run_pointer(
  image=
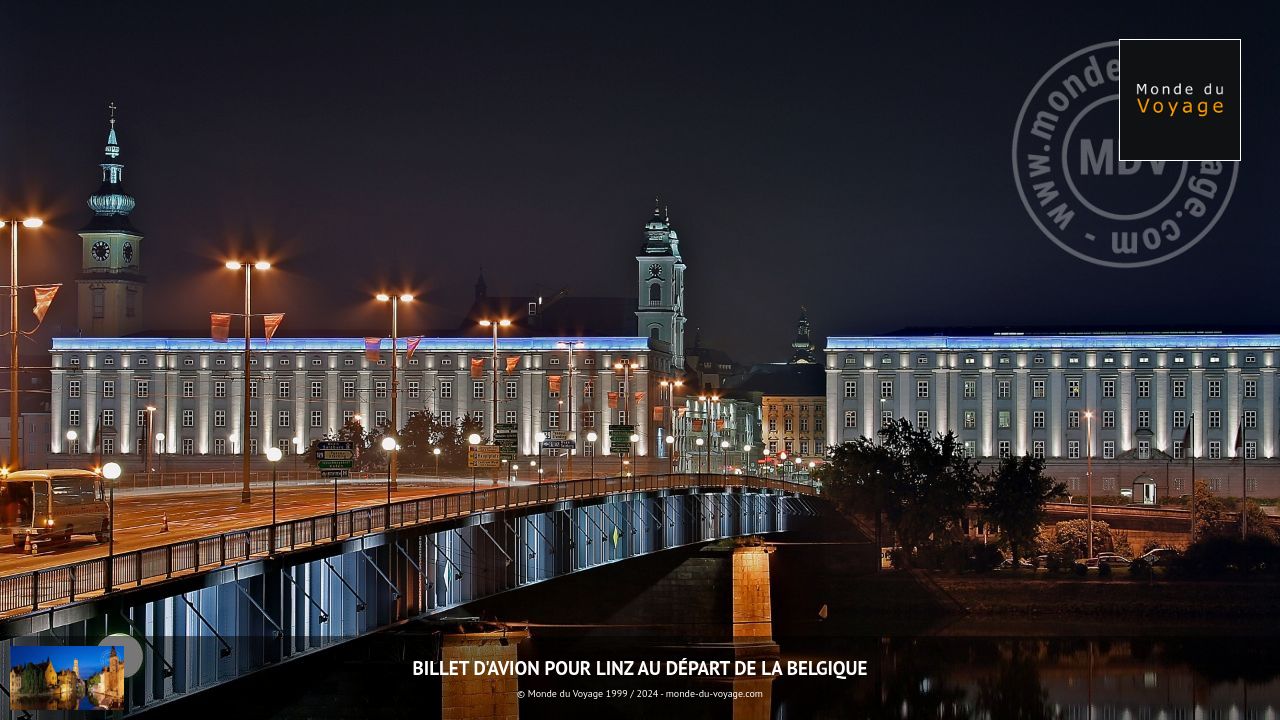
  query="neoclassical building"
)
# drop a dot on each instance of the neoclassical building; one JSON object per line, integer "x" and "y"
{"x": 1122, "y": 401}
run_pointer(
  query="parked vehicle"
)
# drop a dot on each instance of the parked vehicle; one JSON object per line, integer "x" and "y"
{"x": 1111, "y": 559}
{"x": 1023, "y": 563}
{"x": 1160, "y": 556}
{"x": 38, "y": 507}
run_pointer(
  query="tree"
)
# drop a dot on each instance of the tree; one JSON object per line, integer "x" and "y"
{"x": 1209, "y": 511}
{"x": 1013, "y": 496}
{"x": 1072, "y": 537}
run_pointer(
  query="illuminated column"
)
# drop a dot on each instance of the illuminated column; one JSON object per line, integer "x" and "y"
{"x": 1266, "y": 390}
{"x": 1022, "y": 416}
{"x": 89, "y": 390}
{"x": 1231, "y": 419}
{"x": 204, "y": 420}
{"x": 1196, "y": 381}
{"x": 640, "y": 408}
{"x": 235, "y": 411}
{"x": 301, "y": 394}
{"x": 835, "y": 400}
{"x": 125, "y": 391}
{"x": 1124, "y": 393}
{"x": 1091, "y": 398}
{"x": 942, "y": 421}
{"x": 267, "y": 420}
{"x": 1055, "y": 388}
{"x": 987, "y": 393}
{"x": 57, "y": 386}
{"x": 1163, "y": 431}
{"x": 869, "y": 391}
{"x": 364, "y": 394}
{"x": 333, "y": 395}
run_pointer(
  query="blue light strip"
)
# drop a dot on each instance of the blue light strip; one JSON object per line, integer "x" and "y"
{"x": 344, "y": 344}
{"x": 944, "y": 343}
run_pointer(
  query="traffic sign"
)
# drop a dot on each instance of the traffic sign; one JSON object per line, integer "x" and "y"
{"x": 558, "y": 445}
{"x": 620, "y": 438}
{"x": 484, "y": 456}
{"x": 335, "y": 473}
{"x": 504, "y": 434}
{"x": 335, "y": 455}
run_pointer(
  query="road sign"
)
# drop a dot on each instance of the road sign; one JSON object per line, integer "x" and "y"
{"x": 620, "y": 438}
{"x": 335, "y": 455}
{"x": 483, "y": 456}
{"x": 504, "y": 434}
{"x": 335, "y": 473}
{"x": 557, "y": 435}
{"x": 558, "y": 445}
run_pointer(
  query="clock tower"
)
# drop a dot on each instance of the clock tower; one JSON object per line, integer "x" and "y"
{"x": 660, "y": 298}
{"x": 110, "y": 284}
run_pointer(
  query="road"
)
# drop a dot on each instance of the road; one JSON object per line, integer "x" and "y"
{"x": 201, "y": 512}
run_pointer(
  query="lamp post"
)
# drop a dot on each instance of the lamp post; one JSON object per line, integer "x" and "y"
{"x": 473, "y": 439}
{"x": 110, "y": 471}
{"x": 493, "y": 418}
{"x": 699, "y": 442}
{"x": 570, "y": 344}
{"x": 724, "y": 457}
{"x": 746, "y": 458}
{"x": 625, "y": 367}
{"x": 634, "y": 439}
{"x": 248, "y": 269}
{"x": 671, "y": 454}
{"x": 670, "y": 386}
{"x": 1088, "y": 473}
{"x": 273, "y": 455}
{"x": 539, "y": 437}
{"x": 591, "y": 438}
{"x": 151, "y": 424}
{"x": 436, "y": 453}
{"x": 389, "y": 446}
{"x": 395, "y": 301}
{"x": 71, "y": 436}
{"x": 15, "y": 458}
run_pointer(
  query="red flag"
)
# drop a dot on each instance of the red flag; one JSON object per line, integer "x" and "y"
{"x": 613, "y": 401}
{"x": 512, "y": 362}
{"x": 719, "y": 424}
{"x": 44, "y": 298}
{"x": 477, "y": 367}
{"x": 219, "y": 326}
{"x": 271, "y": 323}
{"x": 373, "y": 349}
{"x": 553, "y": 383}
{"x": 658, "y": 412}
{"x": 411, "y": 344}
{"x": 639, "y": 397}
{"x": 697, "y": 424}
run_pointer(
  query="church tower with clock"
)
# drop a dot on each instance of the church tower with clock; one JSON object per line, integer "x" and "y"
{"x": 660, "y": 314}
{"x": 111, "y": 283}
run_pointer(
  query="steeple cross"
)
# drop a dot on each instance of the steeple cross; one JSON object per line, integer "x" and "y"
{"x": 112, "y": 108}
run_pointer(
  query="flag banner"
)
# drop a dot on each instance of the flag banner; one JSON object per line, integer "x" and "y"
{"x": 697, "y": 424}
{"x": 477, "y": 368}
{"x": 44, "y": 298}
{"x": 219, "y": 326}
{"x": 613, "y": 401}
{"x": 553, "y": 383}
{"x": 658, "y": 413}
{"x": 411, "y": 344}
{"x": 373, "y": 349}
{"x": 1240, "y": 437}
{"x": 271, "y": 323}
{"x": 639, "y": 397}
{"x": 1186, "y": 440}
{"x": 719, "y": 424}
{"x": 512, "y": 363}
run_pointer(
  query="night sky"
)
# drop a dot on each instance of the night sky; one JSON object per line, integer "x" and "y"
{"x": 852, "y": 160}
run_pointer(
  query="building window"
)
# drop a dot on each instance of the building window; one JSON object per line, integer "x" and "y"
{"x": 73, "y": 388}
{"x": 1108, "y": 419}
{"x": 446, "y": 418}
{"x": 804, "y": 422}
{"x": 73, "y": 418}
{"x": 1215, "y": 419}
{"x": 282, "y": 389}
{"x": 773, "y": 424}
{"x": 220, "y": 389}
{"x": 1004, "y": 419}
{"x": 1215, "y": 388}
{"x": 971, "y": 388}
{"x": 1251, "y": 450}
{"x": 188, "y": 418}
{"x": 1073, "y": 418}
{"x": 1144, "y": 388}
{"x": 1005, "y": 448}
{"x": 348, "y": 389}
{"x": 1037, "y": 388}
{"x": 108, "y": 388}
{"x": 1177, "y": 449}
{"x": 1144, "y": 449}
{"x": 253, "y": 388}
{"x": 284, "y": 418}
{"x": 850, "y": 419}
{"x": 970, "y": 448}
{"x": 415, "y": 390}
{"x": 1004, "y": 388}
{"x": 1109, "y": 388}
{"x": 553, "y": 419}
{"x": 219, "y": 418}
{"x": 253, "y": 446}
{"x": 588, "y": 419}
{"x": 1179, "y": 388}
{"x": 143, "y": 388}
{"x": 1037, "y": 419}
{"x": 141, "y": 418}
{"x": 477, "y": 417}
{"x": 317, "y": 389}
{"x": 851, "y": 388}
{"x": 1073, "y": 387}
{"x": 477, "y": 389}
{"x": 348, "y": 416}
{"x": 380, "y": 389}
{"x": 922, "y": 419}
{"x": 108, "y": 418}
{"x": 1037, "y": 449}
{"x": 1251, "y": 418}
{"x": 1179, "y": 418}
{"x": 316, "y": 418}
{"x": 886, "y": 418}
{"x": 188, "y": 446}
{"x": 188, "y": 388}
{"x": 886, "y": 389}
{"x": 1144, "y": 418}
{"x": 1215, "y": 450}
{"x": 588, "y": 389}
{"x": 380, "y": 418}
{"x": 1073, "y": 449}
{"x": 1251, "y": 388}
{"x": 970, "y": 419}
{"x": 1108, "y": 449}
{"x": 922, "y": 388}
{"x": 446, "y": 389}
{"x": 253, "y": 418}
{"x": 786, "y": 425}
{"x": 219, "y": 446}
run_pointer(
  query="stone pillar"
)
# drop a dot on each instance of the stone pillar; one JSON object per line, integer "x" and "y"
{"x": 752, "y": 612}
{"x": 471, "y": 697}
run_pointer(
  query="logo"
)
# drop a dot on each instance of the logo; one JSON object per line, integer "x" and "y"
{"x": 1082, "y": 196}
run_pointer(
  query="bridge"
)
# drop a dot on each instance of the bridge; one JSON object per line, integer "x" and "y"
{"x": 207, "y": 610}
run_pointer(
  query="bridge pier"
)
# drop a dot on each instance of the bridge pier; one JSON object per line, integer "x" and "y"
{"x": 752, "y": 616}
{"x": 472, "y": 696}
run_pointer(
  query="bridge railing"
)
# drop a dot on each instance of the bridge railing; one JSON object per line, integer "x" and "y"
{"x": 46, "y": 587}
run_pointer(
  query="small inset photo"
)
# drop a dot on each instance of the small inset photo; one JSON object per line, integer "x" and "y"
{"x": 1180, "y": 100}
{"x": 66, "y": 677}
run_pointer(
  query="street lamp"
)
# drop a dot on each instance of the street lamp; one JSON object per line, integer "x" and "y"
{"x": 746, "y": 458}
{"x": 436, "y": 453}
{"x": 14, "y": 446}
{"x": 634, "y": 439}
{"x": 248, "y": 269}
{"x": 570, "y": 344}
{"x": 273, "y": 455}
{"x": 592, "y": 437}
{"x": 625, "y": 366}
{"x": 671, "y": 454}
{"x": 670, "y": 386}
{"x": 395, "y": 301}
{"x": 473, "y": 439}
{"x": 699, "y": 442}
{"x": 493, "y": 418}
{"x": 151, "y": 424}
{"x": 71, "y": 436}
{"x": 724, "y": 457}
{"x": 1088, "y": 472}
{"x": 389, "y": 446}
{"x": 111, "y": 471}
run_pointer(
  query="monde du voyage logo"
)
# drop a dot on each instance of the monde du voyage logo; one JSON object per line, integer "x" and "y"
{"x": 1066, "y": 162}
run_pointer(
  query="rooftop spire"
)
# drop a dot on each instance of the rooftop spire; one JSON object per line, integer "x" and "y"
{"x": 802, "y": 346}
{"x": 111, "y": 205}
{"x": 113, "y": 145}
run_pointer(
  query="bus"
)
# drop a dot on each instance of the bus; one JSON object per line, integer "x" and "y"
{"x": 39, "y": 507}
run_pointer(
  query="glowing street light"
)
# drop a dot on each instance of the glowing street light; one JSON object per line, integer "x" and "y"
{"x": 248, "y": 269}
{"x": 273, "y": 456}
{"x": 592, "y": 437}
{"x": 111, "y": 471}
{"x": 15, "y": 459}
{"x": 493, "y": 416}
{"x": 395, "y": 301}
{"x": 473, "y": 439}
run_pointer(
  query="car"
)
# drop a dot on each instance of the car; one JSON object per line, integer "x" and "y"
{"x": 1159, "y": 556}
{"x": 1112, "y": 555}
{"x": 1023, "y": 563}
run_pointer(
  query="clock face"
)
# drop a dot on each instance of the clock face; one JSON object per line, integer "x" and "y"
{"x": 101, "y": 251}
{"x": 655, "y": 270}
{"x": 128, "y": 252}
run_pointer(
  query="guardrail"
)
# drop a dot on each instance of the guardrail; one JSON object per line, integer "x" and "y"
{"x": 214, "y": 478}
{"x": 30, "y": 591}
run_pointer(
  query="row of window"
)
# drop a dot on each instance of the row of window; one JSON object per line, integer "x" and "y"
{"x": 284, "y": 418}
{"x": 285, "y": 361}
{"x": 1072, "y": 359}
{"x": 284, "y": 389}
{"x": 1004, "y": 388}
{"x": 1004, "y": 419}
{"x": 1004, "y": 448}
